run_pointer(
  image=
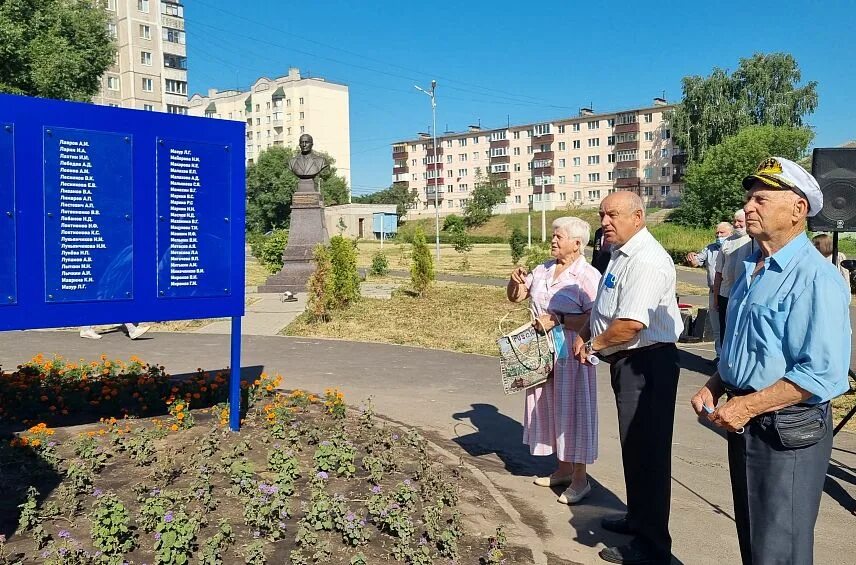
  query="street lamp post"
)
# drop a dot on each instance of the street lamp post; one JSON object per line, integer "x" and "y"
{"x": 436, "y": 162}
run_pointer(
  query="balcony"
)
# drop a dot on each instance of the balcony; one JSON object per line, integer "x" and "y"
{"x": 626, "y": 128}
{"x": 627, "y": 145}
{"x": 401, "y": 183}
{"x": 399, "y": 170}
{"x": 500, "y": 143}
{"x": 627, "y": 165}
{"x": 544, "y": 189}
{"x": 543, "y": 155}
{"x": 679, "y": 159}
{"x": 434, "y": 166}
{"x": 400, "y": 178}
{"x": 500, "y": 159}
{"x": 547, "y": 171}
{"x": 399, "y": 152}
{"x": 504, "y": 175}
{"x": 430, "y": 195}
{"x": 630, "y": 182}
{"x": 678, "y": 177}
{"x": 277, "y": 123}
{"x": 545, "y": 138}
{"x": 438, "y": 180}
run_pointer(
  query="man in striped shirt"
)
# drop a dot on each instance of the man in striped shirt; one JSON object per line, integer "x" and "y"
{"x": 634, "y": 325}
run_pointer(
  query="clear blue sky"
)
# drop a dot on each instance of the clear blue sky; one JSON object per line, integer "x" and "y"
{"x": 523, "y": 61}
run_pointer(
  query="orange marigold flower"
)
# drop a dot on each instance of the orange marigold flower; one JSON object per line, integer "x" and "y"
{"x": 180, "y": 416}
{"x": 174, "y": 427}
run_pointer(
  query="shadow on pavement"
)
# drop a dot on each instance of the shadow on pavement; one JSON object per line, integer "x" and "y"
{"x": 836, "y": 474}
{"x": 502, "y": 435}
{"x": 693, "y": 362}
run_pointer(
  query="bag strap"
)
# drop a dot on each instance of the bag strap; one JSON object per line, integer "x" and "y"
{"x": 537, "y": 341}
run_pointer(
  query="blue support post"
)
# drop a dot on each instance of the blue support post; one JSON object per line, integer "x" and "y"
{"x": 235, "y": 377}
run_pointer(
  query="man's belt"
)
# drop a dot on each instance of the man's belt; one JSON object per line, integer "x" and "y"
{"x": 613, "y": 358}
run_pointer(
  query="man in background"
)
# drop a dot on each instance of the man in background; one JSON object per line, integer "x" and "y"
{"x": 707, "y": 258}
{"x": 729, "y": 265}
{"x": 600, "y": 254}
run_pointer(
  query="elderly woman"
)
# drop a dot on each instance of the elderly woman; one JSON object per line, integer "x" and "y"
{"x": 823, "y": 243}
{"x": 561, "y": 414}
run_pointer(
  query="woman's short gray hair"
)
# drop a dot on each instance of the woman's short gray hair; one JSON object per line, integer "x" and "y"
{"x": 574, "y": 228}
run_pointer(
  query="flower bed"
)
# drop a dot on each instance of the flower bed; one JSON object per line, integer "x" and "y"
{"x": 307, "y": 480}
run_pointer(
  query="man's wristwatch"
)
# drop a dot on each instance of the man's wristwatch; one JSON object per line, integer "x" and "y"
{"x": 589, "y": 348}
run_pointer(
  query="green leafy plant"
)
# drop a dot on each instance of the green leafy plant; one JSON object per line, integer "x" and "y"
{"x": 336, "y": 458}
{"x": 30, "y": 520}
{"x": 254, "y": 553}
{"x": 322, "y": 299}
{"x": 110, "y": 527}
{"x": 265, "y": 511}
{"x": 380, "y": 264}
{"x": 345, "y": 279}
{"x": 90, "y": 452}
{"x": 517, "y": 243}
{"x": 215, "y": 546}
{"x": 175, "y": 537}
{"x": 422, "y": 269}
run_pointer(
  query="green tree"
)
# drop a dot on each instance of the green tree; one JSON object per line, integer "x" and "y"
{"x": 54, "y": 48}
{"x": 271, "y": 186}
{"x": 346, "y": 280}
{"x": 453, "y": 222}
{"x": 713, "y": 188}
{"x": 397, "y": 194}
{"x": 764, "y": 90}
{"x": 422, "y": 268}
{"x": 517, "y": 242}
{"x": 488, "y": 191}
{"x": 320, "y": 286}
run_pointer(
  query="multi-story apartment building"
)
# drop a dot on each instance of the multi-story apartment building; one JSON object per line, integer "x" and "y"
{"x": 150, "y": 71}
{"x": 277, "y": 111}
{"x": 573, "y": 161}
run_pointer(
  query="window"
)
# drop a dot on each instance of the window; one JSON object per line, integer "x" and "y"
{"x": 475, "y": 156}
{"x": 575, "y": 127}
{"x": 627, "y": 137}
{"x": 302, "y": 115}
{"x": 476, "y": 139}
{"x": 145, "y": 31}
{"x": 576, "y": 161}
{"x": 499, "y": 151}
{"x": 626, "y": 173}
{"x": 667, "y": 133}
{"x": 448, "y": 158}
{"x": 176, "y": 86}
{"x": 112, "y": 30}
{"x": 516, "y": 135}
{"x": 450, "y": 173}
{"x": 111, "y": 5}
{"x": 499, "y": 168}
{"x": 561, "y": 179}
{"x": 173, "y": 109}
{"x": 610, "y": 122}
{"x": 148, "y": 107}
{"x": 170, "y": 9}
{"x": 462, "y": 142}
{"x": 609, "y": 175}
{"x": 649, "y": 136}
{"x": 594, "y": 125}
{"x": 173, "y": 35}
{"x": 561, "y": 129}
{"x": 462, "y": 172}
{"x": 542, "y": 163}
{"x": 627, "y": 118}
{"x": 649, "y": 191}
{"x": 498, "y": 135}
{"x": 516, "y": 167}
{"x": 448, "y": 143}
{"x": 649, "y": 154}
{"x": 516, "y": 151}
{"x": 561, "y": 146}
{"x": 562, "y": 163}
{"x": 610, "y": 158}
{"x": 610, "y": 140}
{"x": 578, "y": 195}
{"x": 146, "y": 58}
{"x": 594, "y": 142}
{"x": 517, "y": 197}
{"x": 649, "y": 117}
{"x": 174, "y": 61}
{"x": 463, "y": 187}
{"x": 630, "y": 155}
{"x": 594, "y": 194}
{"x": 594, "y": 160}
{"x": 594, "y": 177}
{"x": 563, "y": 195}
{"x": 529, "y": 150}
{"x": 462, "y": 157}
{"x": 301, "y": 100}
{"x": 665, "y": 171}
{"x": 143, "y": 6}
{"x": 258, "y": 121}
{"x": 577, "y": 179}
{"x": 545, "y": 147}
{"x": 664, "y": 190}
{"x": 576, "y": 144}
{"x": 648, "y": 172}
{"x": 148, "y": 85}
{"x": 112, "y": 83}
{"x": 541, "y": 129}
{"x": 664, "y": 152}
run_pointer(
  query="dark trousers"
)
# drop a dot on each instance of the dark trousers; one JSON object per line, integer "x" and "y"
{"x": 645, "y": 385}
{"x": 776, "y": 493}
{"x": 722, "y": 311}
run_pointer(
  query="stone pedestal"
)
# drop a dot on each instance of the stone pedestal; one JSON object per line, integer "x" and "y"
{"x": 307, "y": 229}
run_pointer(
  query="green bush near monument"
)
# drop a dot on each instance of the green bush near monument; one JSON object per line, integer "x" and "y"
{"x": 268, "y": 248}
{"x": 422, "y": 268}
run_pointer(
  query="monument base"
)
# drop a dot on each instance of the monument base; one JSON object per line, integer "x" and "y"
{"x": 308, "y": 229}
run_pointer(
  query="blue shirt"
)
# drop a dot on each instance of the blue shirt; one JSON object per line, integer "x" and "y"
{"x": 792, "y": 321}
{"x": 707, "y": 259}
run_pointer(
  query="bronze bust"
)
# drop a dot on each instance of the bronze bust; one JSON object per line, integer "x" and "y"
{"x": 308, "y": 164}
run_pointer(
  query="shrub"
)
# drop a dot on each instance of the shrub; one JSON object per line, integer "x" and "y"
{"x": 422, "y": 269}
{"x": 320, "y": 286}
{"x": 380, "y": 264}
{"x": 346, "y": 280}
{"x": 461, "y": 240}
{"x": 517, "y": 242}
{"x": 452, "y": 223}
{"x": 536, "y": 255}
{"x": 268, "y": 248}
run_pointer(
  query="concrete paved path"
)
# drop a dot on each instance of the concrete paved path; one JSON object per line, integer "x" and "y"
{"x": 456, "y": 399}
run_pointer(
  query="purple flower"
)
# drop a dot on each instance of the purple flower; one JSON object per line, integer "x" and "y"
{"x": 2, "y": 538}
{"x": 63, "y": 551}
{"x": 155, "y": 492}
{"x": 281, "y": 525}
{"x": 257, "y": 534}
{"x": 97, "y": 492}
{"x": 157, "y": 536}
{"x": 51, "y": 444}
{"x": 394, "y": 437}
{"x": 323, "y": 475}
{"x": 325, "y": 443}
{"x": 350, "y": 516}
{"x": 407, "y": 482}
{"x": 64, "y": 534}
{"x": 46, "y": 554}
{"x": 376, "y": 489}
{"x": 362, "y": 522}
{"x": 168, "y": 517}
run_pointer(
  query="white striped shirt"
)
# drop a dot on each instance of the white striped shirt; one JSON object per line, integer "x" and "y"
{"x": 639, "y": 284}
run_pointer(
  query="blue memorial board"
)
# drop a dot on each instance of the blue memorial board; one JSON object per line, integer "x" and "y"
{"x": 194, "y": 219}
{"x": 88, "y": 195}
{"x": 8, "y": 290}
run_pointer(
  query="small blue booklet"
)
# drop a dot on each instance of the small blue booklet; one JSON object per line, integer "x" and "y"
{"x": 559, "y": 342}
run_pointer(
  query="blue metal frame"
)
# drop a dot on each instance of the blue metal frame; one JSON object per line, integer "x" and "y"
{"x": 126, "y": 269}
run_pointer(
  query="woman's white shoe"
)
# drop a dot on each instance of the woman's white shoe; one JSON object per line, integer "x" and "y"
{"x": 553, "y": 481}
{"x": 570, "y": 496}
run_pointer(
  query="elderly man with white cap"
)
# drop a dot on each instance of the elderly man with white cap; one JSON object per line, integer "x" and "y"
{"x": 784, "y": 358}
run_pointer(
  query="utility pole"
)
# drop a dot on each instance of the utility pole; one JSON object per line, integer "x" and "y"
{"x": 436, "y": 163}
